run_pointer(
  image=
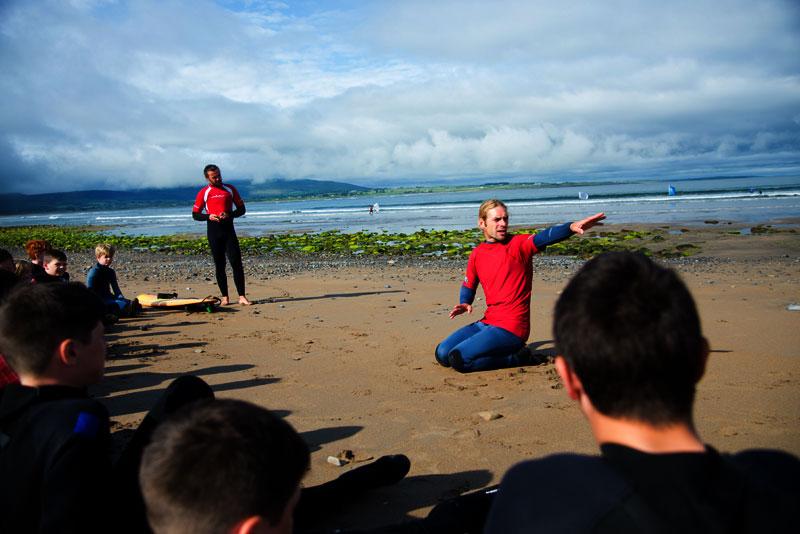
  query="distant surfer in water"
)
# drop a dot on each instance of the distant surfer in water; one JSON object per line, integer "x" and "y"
{"x": 218, "y": 201}
{"x": 502, "y": 265}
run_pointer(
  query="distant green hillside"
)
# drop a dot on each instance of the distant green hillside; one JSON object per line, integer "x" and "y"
{"x": 15, "y": 203}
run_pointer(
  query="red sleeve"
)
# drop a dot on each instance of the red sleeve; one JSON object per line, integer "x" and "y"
{"x": 199, "y": 202}
{"x": 236, "y": 198}
{"x": 471, "y": 277}
{"x": 528, "y": 246}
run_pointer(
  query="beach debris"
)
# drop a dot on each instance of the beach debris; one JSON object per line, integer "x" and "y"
{"x": 489, "y": 415}
{"x": 342, "y": 458}
{"x": 793, "y": 307}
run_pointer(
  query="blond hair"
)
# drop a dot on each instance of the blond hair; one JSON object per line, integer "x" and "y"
{"x": 489, "y": 205}
{"x": 104, "y": 249}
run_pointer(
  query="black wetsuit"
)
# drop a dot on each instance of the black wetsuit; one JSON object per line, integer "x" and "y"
{"x": 54, "y": 464}
{"x": 627, "y": 490}
{"x": 222, "y": 237}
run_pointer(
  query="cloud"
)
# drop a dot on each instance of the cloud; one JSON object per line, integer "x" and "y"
{"x": 131, "y": 94}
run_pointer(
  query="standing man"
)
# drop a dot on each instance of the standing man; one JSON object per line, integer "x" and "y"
{"x": 502, "y": 264}
{"x": 218, "y": 200}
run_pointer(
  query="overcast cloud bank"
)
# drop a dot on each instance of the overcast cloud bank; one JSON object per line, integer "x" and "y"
{"x": 116, "y": 94}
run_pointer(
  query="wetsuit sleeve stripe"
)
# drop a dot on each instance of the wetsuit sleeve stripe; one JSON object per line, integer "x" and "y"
{"x": 552, "y": 235}
{"x": 466, "y": 295}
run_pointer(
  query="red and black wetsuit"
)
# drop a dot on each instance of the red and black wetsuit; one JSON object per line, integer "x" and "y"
{"x": 216, "y": 200}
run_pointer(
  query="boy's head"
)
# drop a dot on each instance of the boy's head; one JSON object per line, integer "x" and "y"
{"x": 55, "y": 262}
{"x": 6, "y": 261}
{"x": 219, "y": 465}
{"x": 36, "y": 248}
{"x": 629, "y": 330}
{"x": 104, "y": 253}
{"x": 54, "y": 331}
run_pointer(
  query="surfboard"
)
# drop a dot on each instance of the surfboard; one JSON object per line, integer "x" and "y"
{"x": 208, "y": 304}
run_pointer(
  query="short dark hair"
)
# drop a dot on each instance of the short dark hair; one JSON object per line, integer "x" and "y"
{"x": 215, "y": 463}
{"x": 208, "y": 168}
{"x": 54, "y": 254}
{"x": 5, "y": 255}
{"x": 35, "y": 318}
{"x": 630, "y": 330}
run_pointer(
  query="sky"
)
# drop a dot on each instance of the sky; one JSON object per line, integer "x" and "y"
{"x": 102, "y": 94}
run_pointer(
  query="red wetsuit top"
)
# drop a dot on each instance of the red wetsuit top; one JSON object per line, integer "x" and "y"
{"x": 505, "y": 271}
{"x": 217, "y": 200}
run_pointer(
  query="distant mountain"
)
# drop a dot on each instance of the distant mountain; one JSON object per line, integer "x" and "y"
{"x": 13, "y": 203}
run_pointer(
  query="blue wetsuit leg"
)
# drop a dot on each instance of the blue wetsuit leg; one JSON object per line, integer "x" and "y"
{"x": 480, "y": 347}
{"x": 450, "y": 342}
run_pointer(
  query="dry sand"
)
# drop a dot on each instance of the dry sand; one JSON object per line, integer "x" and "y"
{"x": 346, "y": 355}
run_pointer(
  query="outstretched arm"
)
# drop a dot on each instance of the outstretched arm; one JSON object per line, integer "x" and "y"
{"x": 579, "y": 227}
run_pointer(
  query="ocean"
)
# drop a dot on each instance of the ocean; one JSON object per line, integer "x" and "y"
{"x": 745, "y": 200}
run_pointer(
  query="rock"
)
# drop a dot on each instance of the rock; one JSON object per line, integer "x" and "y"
{"x": 199, "y": 351}
{"x": 333, "y": 460}
{"x": 793, "y": 307}
{"x": 489, "y": 415}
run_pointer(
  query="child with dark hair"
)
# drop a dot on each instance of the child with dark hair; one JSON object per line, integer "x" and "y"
{"x": 103, "y": 280}
{"x": 231, "y": 466}
{"x": 54, "y": 459}
{"x": 631, "y": 353}
{"x": 55, "y": 266}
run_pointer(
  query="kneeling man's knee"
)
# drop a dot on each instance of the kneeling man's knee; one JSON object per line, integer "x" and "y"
{"x": 441, "y": 356}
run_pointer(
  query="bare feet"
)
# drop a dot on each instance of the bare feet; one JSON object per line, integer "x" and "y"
{"x": 243, "y": 301}
{"x": 224, "y": 301}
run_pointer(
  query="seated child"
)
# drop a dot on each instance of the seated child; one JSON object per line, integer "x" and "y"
{"x": 35, "y": 249}
{"x": 55, "y": 267}
{"x": 55, "y": 464}
{"x": 103, "y": 280}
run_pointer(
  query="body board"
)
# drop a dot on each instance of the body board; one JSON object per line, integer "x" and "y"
{"x": 148, "y": 300}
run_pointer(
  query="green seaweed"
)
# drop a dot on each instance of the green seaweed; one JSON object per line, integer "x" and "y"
{"x": 424, "y": 242}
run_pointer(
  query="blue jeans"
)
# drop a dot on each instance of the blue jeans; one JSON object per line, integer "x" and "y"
{"x": 480, "y": 347}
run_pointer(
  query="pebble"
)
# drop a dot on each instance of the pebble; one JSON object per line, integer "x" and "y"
{"x": 489, "y": 415}
{"x": 199, "y": 351}
{"x": 338, "y": 462}
{"x": 793, "y": 307}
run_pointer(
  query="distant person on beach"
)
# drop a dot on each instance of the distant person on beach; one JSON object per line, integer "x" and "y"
{"x": 102, "y": 279}
{"x": 55, "y": 463}
{"x": 36, "y": 249}
{"x": 231, "y": 466}
{"x": 631, "y": 354}
{"x": 502, "y": 265}
{"x": 218, "y": 201}
{"x": 55, "y": 266}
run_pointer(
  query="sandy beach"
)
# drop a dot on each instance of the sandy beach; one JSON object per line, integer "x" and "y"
{"x": 343, "y": 349}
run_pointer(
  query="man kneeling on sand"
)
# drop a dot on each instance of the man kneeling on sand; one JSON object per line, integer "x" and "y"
{"x": 631, "y": 354}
